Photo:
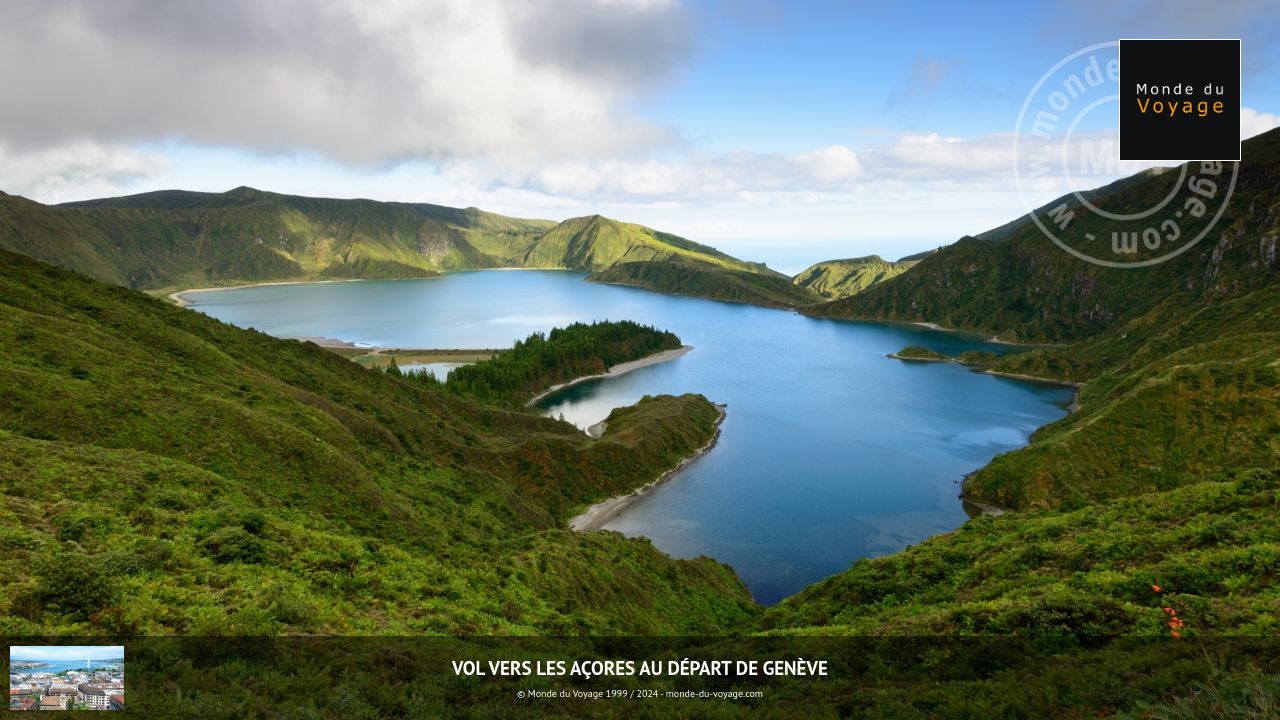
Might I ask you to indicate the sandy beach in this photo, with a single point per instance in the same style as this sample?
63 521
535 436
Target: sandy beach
180 301
619 369
594 517
177 297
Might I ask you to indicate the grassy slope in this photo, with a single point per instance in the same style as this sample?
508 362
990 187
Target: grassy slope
1174 396
832 279
178 238
705 280
595 243
218 480
1212 547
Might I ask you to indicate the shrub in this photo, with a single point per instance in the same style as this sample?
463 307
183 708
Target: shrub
153 554
74 584
81 526
233 544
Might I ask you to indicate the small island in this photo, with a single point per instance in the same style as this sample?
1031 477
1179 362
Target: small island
919 354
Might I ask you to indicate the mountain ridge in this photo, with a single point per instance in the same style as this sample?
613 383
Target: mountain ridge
179 238
833 279
1013 282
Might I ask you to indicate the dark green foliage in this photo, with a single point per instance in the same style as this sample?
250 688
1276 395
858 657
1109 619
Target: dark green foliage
540 361
1250 695
1210 547
1172 397
233 544
978 358
916 352
74 584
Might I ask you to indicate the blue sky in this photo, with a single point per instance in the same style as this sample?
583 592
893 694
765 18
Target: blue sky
55 653
782 131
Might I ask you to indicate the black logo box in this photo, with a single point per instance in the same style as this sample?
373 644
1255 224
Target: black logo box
1185 67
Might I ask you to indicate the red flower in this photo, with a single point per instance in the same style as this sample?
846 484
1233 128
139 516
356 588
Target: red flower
1156 588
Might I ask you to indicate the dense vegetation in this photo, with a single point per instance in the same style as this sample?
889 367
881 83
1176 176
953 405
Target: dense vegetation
166 473
834 279
176 238
542 360
1171 398
1087 574
704 280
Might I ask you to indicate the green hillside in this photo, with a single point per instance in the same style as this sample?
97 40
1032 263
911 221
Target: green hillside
166 473
832 279
177 238
595 243
1171 398
1024 288
706 280
1086 574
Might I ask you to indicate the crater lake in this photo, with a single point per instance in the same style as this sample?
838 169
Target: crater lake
829 452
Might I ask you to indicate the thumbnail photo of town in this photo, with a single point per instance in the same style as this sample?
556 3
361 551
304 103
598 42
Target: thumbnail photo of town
66 677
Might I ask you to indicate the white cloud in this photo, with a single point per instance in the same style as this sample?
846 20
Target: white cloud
75 170
830 165
692 177
364 83
1253 122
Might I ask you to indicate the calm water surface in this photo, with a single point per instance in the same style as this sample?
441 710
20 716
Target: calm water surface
830 451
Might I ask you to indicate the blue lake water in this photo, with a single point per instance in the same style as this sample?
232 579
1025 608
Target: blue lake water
830 451
59 666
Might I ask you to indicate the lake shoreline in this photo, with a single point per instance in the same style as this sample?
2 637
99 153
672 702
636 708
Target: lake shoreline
616 370
595 516
1072 406
769 366
988 338
178 299
908 358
